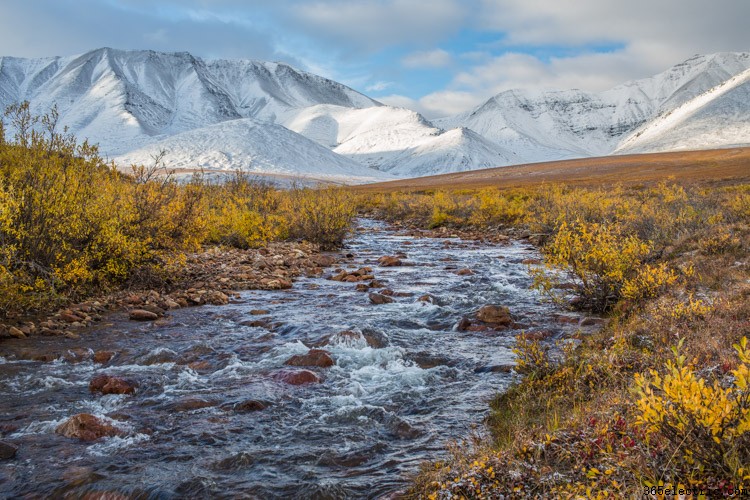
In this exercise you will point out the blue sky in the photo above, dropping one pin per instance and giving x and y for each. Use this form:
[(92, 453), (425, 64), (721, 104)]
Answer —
[(438, 57)]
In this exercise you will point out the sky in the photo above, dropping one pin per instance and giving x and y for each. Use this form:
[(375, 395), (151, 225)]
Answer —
[(438, 57)]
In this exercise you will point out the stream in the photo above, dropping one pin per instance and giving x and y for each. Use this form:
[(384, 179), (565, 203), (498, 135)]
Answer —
[(406, 382)]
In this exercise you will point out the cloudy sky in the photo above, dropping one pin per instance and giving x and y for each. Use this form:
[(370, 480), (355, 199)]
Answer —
[(438, 56)]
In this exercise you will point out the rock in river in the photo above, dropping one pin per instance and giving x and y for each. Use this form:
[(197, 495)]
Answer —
[(143, 315), (7, 450), (297, 377), (499, 315), (107, 384), (389, 261), (379, 298), (86, 427), (314, 357)]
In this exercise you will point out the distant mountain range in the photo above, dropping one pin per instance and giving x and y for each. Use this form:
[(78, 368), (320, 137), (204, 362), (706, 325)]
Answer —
[(269, 118)]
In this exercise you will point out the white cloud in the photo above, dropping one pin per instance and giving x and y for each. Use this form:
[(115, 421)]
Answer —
[(378, 86), (376, 24), (437, 58), (448, 102)]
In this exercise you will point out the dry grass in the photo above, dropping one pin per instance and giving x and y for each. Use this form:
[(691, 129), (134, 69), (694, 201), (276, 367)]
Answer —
[(716, 166)]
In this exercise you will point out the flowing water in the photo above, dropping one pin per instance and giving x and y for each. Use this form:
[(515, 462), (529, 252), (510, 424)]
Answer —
[(381, 410)]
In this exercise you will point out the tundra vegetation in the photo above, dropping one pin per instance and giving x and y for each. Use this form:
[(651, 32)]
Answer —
[(72, 225), (659, 400)]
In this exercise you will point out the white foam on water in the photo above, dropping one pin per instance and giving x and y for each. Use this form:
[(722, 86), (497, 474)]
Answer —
[(34, 384), (111, 445), (40, 427), (105, 404)]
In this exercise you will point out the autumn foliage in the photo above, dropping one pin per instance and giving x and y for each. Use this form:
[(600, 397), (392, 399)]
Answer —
[(655, 403), (72, 225)]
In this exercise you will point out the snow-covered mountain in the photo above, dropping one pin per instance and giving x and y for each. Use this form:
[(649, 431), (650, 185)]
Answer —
[(128, 100), (396, 140), (254, 147), (717, 117), (551, 125), (271, 118)]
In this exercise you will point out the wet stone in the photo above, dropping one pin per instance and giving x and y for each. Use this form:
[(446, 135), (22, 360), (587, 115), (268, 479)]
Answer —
[(248, 406), (143, 315), (190, 404), (379, 298), (108, 384), (314, 357), (495, 314), (86, 427), (103, 357), (297, 377), (7, 450)]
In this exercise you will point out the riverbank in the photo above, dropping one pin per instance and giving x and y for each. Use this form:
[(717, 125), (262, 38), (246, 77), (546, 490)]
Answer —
[(340, 385), (213, 276), (658, 399)]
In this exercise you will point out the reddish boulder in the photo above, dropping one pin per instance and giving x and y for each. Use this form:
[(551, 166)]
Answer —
[(143, 315), (465, 272), (389, 261), (107, 384), (16, 332), (216, 298), (103, 357), (86, 428), (298, 377), (314, 357), (499, 315), (378, 298)]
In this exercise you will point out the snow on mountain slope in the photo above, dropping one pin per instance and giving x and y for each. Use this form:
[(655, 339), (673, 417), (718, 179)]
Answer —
[(396, 140), (256, 147), (133, 103), (562, 124), (718, 117), (455, 150), (124, 99)]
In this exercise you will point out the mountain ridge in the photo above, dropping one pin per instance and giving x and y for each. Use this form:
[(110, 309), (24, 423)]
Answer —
[(131, 101)]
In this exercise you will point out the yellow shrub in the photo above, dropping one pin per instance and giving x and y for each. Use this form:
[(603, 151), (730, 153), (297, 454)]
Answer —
[(492, 207), (599, 256), (649, 282), (323, 216), (707, 423)]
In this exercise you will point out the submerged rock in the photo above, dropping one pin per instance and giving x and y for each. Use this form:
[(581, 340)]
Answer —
[(379, 298), (297, 377), (249, 406), (87, 427), (389, 261), (108, 384), (499, 315), (314, 357), (103, 357), (190, 404), (463, 324), (7, 450)]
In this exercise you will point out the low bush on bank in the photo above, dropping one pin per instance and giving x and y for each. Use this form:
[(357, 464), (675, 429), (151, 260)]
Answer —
[(72, 225), (657, 402)]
